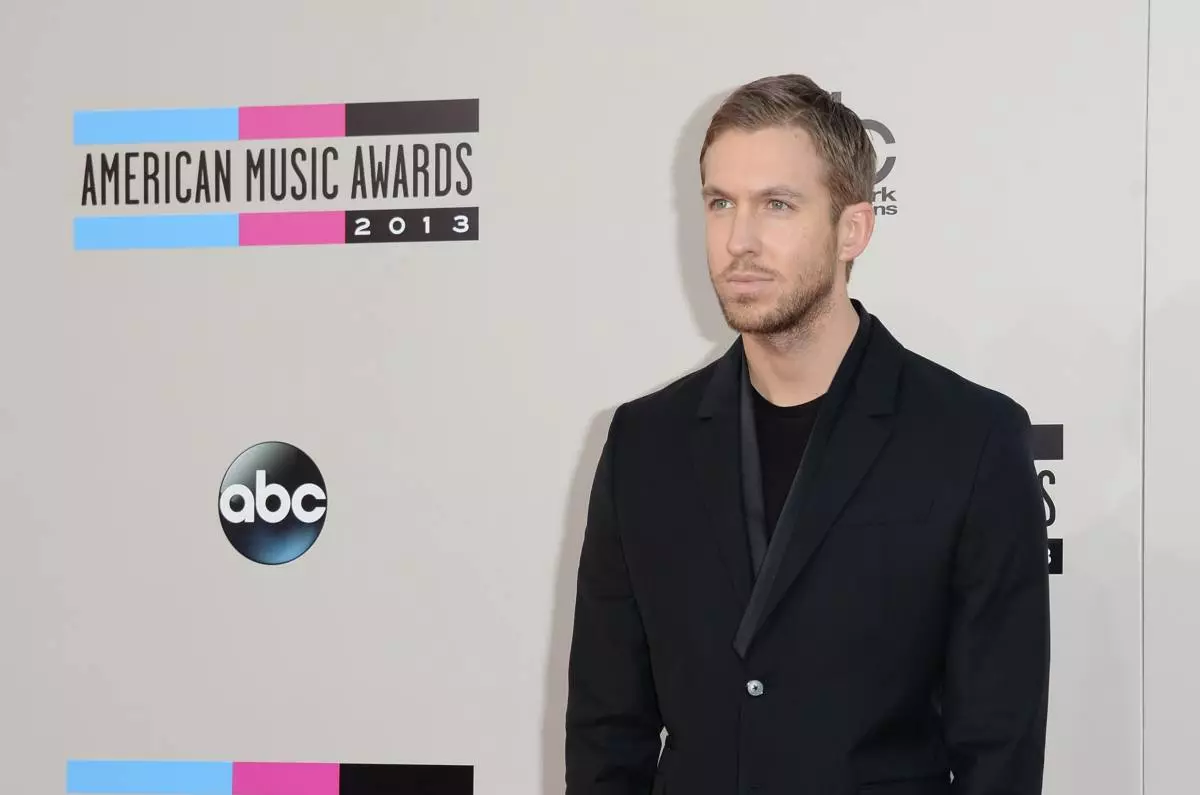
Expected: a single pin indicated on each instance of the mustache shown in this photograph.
(739, 267)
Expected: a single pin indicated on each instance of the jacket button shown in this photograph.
(754, 687)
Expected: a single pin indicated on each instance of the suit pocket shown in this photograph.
(923, 785)
(902, 508)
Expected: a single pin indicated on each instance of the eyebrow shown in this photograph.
(773, 190)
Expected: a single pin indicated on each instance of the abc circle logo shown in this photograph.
(885, 133)
(272, 503)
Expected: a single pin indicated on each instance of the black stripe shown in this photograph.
(412, 225)
(363, 779)
(1056, 555)
(419, 117)
(1047, 441)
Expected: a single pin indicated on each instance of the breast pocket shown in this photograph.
(894, 532)
(891, 506)
(888, 569)
(923, 785)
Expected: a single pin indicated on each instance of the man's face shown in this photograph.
(772, 246)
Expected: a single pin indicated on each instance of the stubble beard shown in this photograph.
(792, 314)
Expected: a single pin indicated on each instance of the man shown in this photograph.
(819, 563)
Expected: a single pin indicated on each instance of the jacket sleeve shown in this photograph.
(613, 725)
(998, 656)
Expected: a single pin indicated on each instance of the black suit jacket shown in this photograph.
(896, 636)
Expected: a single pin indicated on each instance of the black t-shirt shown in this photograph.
(783, 433)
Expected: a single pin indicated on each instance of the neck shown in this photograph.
(794, 367)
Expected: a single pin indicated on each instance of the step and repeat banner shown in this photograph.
(311, 347)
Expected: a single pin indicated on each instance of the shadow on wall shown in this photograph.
(689, 228)
(706, 314)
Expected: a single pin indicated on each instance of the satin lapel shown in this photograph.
(853, 427)
(716, 459)
(852, 449)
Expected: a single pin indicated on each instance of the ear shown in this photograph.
(854, 230)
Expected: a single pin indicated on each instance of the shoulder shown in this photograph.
(943, 384)
(961, 407)
(947, 408)
(664, 407)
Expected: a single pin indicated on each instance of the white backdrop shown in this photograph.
(1172, 545)
(454, 395)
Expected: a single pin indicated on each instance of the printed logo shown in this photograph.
(884, 140)
(1047, 441)
(277, 175)
(118, 777)
(272, 503)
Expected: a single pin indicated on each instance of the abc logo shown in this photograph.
(272, 503)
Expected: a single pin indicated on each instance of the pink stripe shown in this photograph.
(280, 778)
(291, 121)
(291, 229)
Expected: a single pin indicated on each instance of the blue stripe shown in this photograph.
(156, 231)
(150, 778)
(156, 126)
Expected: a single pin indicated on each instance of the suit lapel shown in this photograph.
(851, 450)
(853, 426)
(715, 439)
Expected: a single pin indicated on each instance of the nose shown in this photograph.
(743, 234)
